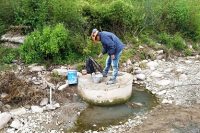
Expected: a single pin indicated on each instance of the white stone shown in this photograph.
(165, 101)
(124, 64)
(16, 124)
(62, 72)
(140, 76)
(179, 70)
(128, 62)
(168, 70)
(36, 109)
(162, 92)
(163, 82)
(36, 68)
(4, 119)
(156, 74)
(183, 77)
(62, 87)
(18, 111)
(159, 52)
(152, 64)
(141, 47)
(44, 102)
(3, 95)
(188, 61)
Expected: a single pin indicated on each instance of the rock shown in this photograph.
(36, 68)
(179, 70)
(188, 61)
(44, 102)
(165, 101)
(183, 77)
(52, 106)
(3, 95)
(137, 70)
(140, 76)
(128, 62)
(16, 124)
(163, 82)
(62, 72)
(36, 109)
(141, 47)
(62, 87)
(152, 65)
(162, 92)
(159, 57)
(124, 64)
(4, 119)
(156, 74)
(159, 52)
(18, 111)
(13, 38)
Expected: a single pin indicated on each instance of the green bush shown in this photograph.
(178, 43)
(49, 44)
(7, 55)
(33, 13)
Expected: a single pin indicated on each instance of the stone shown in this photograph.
(4, 119)
(188, 61)
(13, 38)
(124, 64)
(128, 62)
(18, 111)
(44, 102)
(183, 77)
(160, 52)
(156, 74)
(16, 124)
(62, 72)
(141, 47)
(140, 76)
(137, 70)
(36, 68)
(163, 82)
(165, 101)
(62, 87)
(152, 65)
(162, 92)
(36, 109)
(3, 95)
(159, 57)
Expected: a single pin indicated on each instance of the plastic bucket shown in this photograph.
(72, 77)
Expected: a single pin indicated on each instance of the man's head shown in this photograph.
(94, 35)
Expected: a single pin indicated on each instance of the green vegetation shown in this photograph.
(60, 29)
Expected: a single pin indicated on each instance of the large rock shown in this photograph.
(140, 76)
(62, 71)
(16, 124)
(36, 109)
(18, 111)
(4, 119)
(36, 68)
(13, 38)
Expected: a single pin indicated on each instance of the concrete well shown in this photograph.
(102, 94)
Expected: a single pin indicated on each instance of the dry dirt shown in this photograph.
(170, 119)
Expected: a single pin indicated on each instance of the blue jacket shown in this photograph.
(111, 43)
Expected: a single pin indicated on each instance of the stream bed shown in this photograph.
(97, 118)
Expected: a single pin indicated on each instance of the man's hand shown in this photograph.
(100, 55)
(113, 57)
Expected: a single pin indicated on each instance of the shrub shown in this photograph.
(33, 13)
(7, 55)
(49, 44)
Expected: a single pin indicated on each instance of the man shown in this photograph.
(113, 46)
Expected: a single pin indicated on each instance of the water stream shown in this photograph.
(97, 118)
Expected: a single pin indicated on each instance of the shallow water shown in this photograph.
(96, 117)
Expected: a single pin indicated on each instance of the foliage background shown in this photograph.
(170, 22)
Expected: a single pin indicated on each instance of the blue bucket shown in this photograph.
(72, 77)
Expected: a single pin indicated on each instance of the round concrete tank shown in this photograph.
(103, 94)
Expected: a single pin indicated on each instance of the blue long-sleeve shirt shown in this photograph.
(111, 43)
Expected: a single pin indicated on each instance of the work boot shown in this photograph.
(104, 74)
(111, 81)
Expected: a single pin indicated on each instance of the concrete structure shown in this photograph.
(102, 94)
